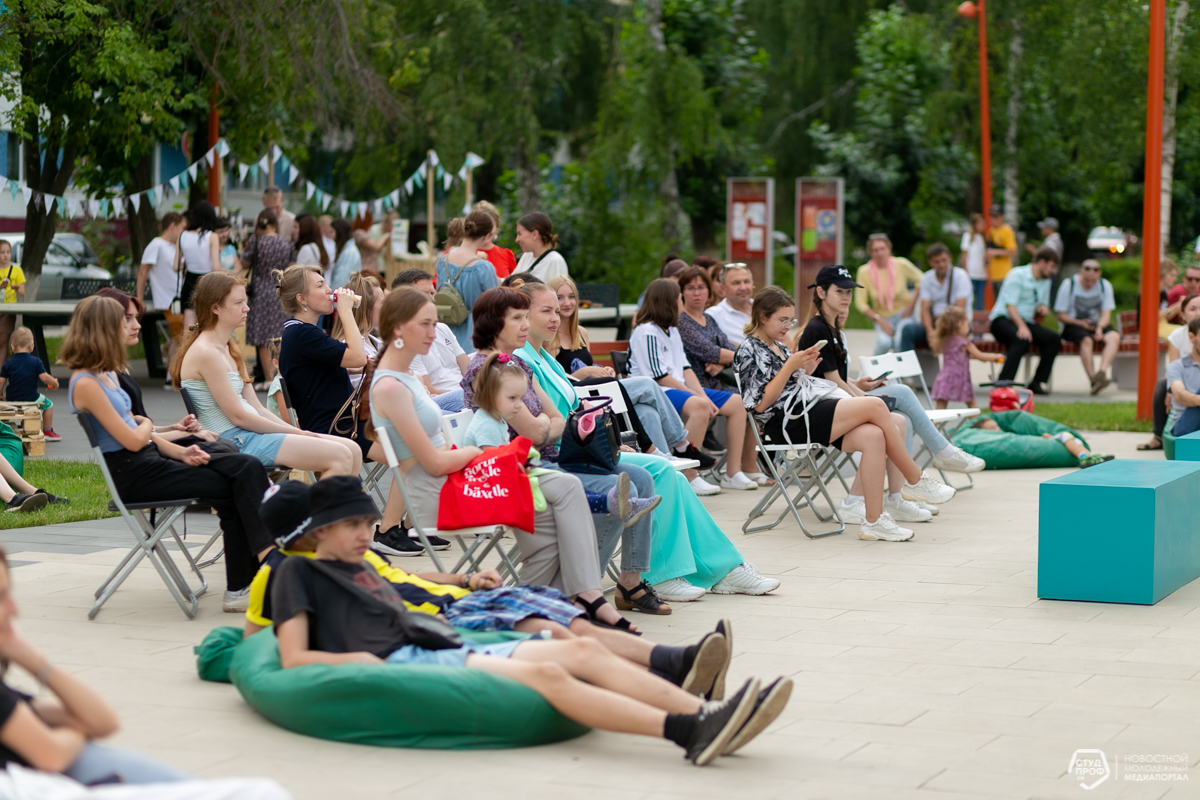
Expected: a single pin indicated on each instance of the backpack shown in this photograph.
(451, 308)
(1006, 398)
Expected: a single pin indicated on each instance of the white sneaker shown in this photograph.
(703, 487)
(959, 461)
(738, 481)
(928, 489)
(745, 579)
(853, 513)
(930, 507)
(676, 461)
(884, 529)
(677, 590)
(236, 602)
(905, 510)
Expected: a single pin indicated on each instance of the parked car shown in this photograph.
(1108, 240)
(70, 255)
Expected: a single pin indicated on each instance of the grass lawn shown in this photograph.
(1095, 416)
(79, 481)
(54, 344)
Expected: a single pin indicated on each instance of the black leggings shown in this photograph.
(232, 483)
(1048, 342)
(1160, 407)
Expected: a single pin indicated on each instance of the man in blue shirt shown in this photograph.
(1015, 319)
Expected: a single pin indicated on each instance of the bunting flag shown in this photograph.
(308, 190)
(210, 158)
(136, 199)
(242, 170)
(293, 173)
(27, 193)
(174, 183)
(192, 171)
(345, 207)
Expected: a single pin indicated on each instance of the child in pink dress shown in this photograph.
(953, 383)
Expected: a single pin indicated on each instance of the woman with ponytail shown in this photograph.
(463, 269)
(535, 235)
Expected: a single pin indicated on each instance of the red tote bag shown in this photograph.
(492, 490)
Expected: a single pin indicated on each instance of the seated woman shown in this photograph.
(561, 550)
(313, 598)
(147, 467)
(689, 553)
(791, 406)
(56, 733)
(652, 411)
(210, 366)
(656, 351)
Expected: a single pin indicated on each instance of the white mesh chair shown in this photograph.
(486, 538)
(148, 530)
(611, 391)
(946, 420)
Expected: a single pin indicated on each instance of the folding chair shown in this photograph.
(487, 537)
(149, 536)
(611, 391)
(946, 420)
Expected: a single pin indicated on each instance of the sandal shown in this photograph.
(1155, 443)
(592, 607)
(640, 598)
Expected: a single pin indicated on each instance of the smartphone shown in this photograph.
(820, 345)
(882, 377)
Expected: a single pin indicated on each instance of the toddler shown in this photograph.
(953, 382)
(275, 403)
(21, 374)
(1073, 445)
(500, 388)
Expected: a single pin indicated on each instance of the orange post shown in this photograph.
(1151, 212)
(214, 133)
(985, 131)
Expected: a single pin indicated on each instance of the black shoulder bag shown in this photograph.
(590, 448)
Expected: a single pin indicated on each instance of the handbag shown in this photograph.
(422, 630)
(591, 443)
(345, 421)
(491, 490)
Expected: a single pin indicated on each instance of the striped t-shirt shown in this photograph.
(655, 353)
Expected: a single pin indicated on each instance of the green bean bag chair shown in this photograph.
(1019, 443)
(390, 705)
(1168, 440)
(11, 448)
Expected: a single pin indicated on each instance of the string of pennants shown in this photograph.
(69, 208)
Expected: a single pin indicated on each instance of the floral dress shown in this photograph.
(265, 254)
(703, 345)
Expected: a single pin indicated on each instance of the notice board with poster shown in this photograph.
(749, 218)
(819, 232)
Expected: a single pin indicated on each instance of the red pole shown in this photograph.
(1151, 211)
(985, 131)
(214, 133)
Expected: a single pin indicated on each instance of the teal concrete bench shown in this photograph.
(1187, 448)
(1126, 531)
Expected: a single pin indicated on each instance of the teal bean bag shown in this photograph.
(391, 705)
(11, 448)
(1019, 443)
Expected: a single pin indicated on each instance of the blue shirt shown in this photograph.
(429, 416)
(22, 371)
(1187, 372)
(475, 279)
(1022, 290)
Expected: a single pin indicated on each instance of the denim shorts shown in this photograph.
(263, 446)
(678, 397)
(411, 654)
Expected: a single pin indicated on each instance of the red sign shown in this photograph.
(748, 228)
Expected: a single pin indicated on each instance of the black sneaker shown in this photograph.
(26, 502)
(394, 542)
(770, 703)
(54, 499)
(717, 723)
(717, 692)
(710, 660)
(706, 461)
(1037, 388)
(711, 445)
(436, 542)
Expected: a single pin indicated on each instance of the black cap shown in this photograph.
(285, 512)
(338, 498)
(837, 275)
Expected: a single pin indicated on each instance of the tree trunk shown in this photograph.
(1170, 97)
(668, 187)
(1016, 47)
(143, 225)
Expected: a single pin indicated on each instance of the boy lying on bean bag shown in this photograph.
(1020, 440)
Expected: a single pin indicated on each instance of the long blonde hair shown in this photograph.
(569, 331)
(368, 289)
(211, 291)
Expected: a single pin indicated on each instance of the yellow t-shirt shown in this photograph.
(998, 266)
(15, 278)
(870, 294)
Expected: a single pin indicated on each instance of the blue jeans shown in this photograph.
(884, 341)
(635, 541)
(980, 285)
(100, 764)
(450, 402)
(658, 416)
(918, 421)
(912, 333)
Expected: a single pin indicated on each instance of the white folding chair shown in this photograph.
(486, 537)
(149, 536)
(612, 391)
(454, 426)
(946, 420)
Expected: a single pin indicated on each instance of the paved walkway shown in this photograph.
(926, 669)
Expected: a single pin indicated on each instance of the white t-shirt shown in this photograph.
(731, 321)
(976, 247)
(1084, 304)
(655, 353)
(196, 252)
(935, 292)
(1179, 338)
(441, 362)
(164, 281)
(552, 264)
(309, 254)
(330, 248)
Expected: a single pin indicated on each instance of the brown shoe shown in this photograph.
(640, 598)
(1099, 381)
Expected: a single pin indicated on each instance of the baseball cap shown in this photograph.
(1048, 222)
(837, 275)
(996, 211)
(285, 512)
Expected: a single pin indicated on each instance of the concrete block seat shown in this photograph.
(1125, 531)
(1187, 448)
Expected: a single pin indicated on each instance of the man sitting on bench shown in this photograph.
(1015, 319)
(941, 287)
(1084, 306)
